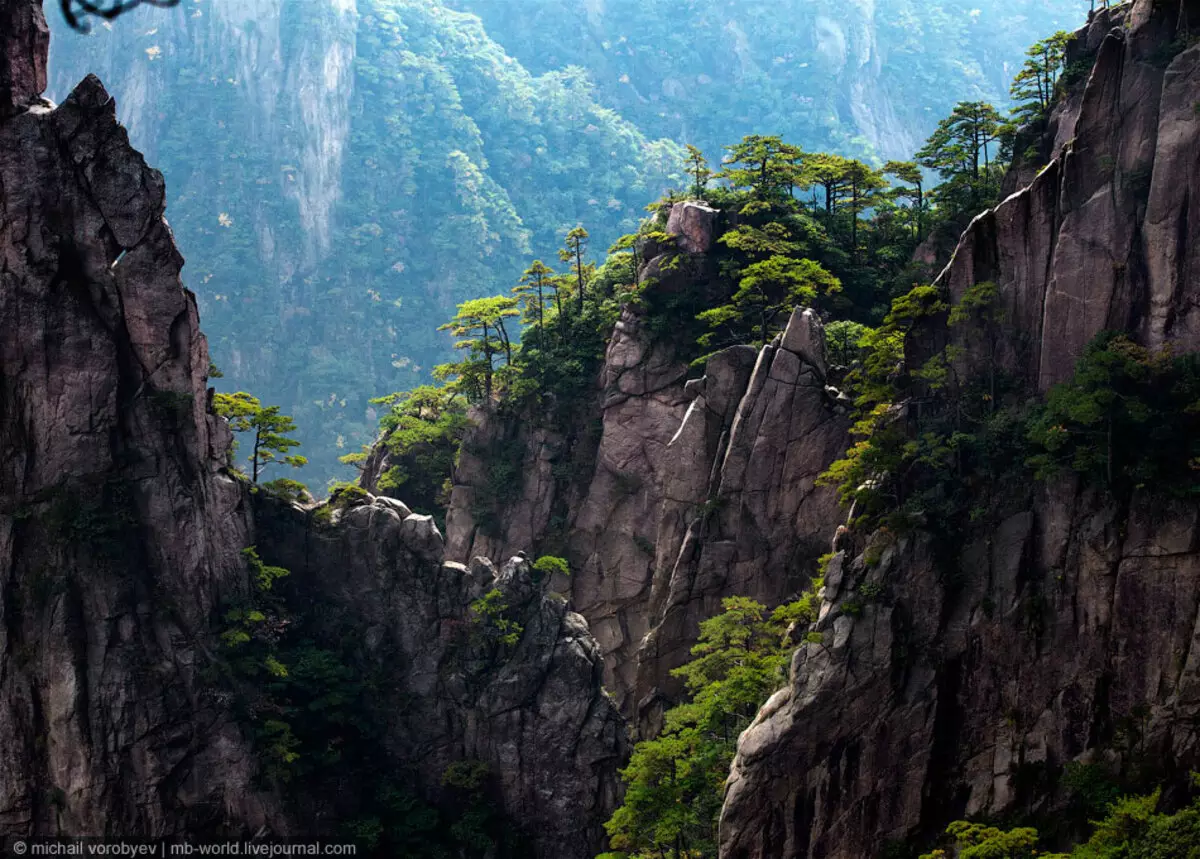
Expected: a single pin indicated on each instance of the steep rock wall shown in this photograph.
(607, 519)
(1069, 630)
(700, 490)
(534, 713)
(119, 536)
(744, 516)
(1105, 236)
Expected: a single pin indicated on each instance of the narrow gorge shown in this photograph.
(186, 653)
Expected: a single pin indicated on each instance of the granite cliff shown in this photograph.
(1068, 627)
(1070, 633)
(122, 549)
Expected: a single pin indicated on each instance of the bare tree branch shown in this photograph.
(75, 12)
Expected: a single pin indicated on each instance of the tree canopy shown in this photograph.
(271, 430)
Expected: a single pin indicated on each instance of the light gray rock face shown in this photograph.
(1102, 239)
(535, 713)
(694, 225)
(743, 515)
(1073, 615)
(922, 705)
(613, 535)
(119, 535)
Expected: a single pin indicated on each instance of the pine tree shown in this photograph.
(908, 171)
(1034, 87)
(577, 242)
(766, 166)
(697, 167)
(271, 442)
(531, 292)
(768, 289)
(959, 151)
(481, 323)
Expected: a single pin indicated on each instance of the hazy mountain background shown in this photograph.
(341, 172)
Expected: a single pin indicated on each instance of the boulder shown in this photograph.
(693, 225)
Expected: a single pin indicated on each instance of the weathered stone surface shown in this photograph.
(931, 705)
(922, 703)
(606, 516)
(613, 534)
(23, 50)
(521, 508)
(119, 535)
(535, 713)
(743, 515)
(805, 336)
(1101, 238)
(694, 225)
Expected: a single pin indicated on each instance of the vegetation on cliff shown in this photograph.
(674, 781)
(1132, 827)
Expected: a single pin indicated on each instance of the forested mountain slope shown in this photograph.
(855, 77)
(342, 173)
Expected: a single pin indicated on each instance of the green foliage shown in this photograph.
(696, 166)
(548, 565)
(262, 575)
(292, 490)
(481, 322)
(1036, 86)
(845, 343)
(674, 782)
(765, 166)
(963, 152)
(317, 719)
(422, 430)
(346, 495)
(768, 289)
(1128, 418)
(1133, 828)
(271, 441)
(491, 621)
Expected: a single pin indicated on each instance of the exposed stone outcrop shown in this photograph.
(23, 60)
(1104, 237)
(743, 469)
(535, 713)
(606, 515)
(694, 225)
(923, 704)
(700, 489)
(958, 681)
(121, 533)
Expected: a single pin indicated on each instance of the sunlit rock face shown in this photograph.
(929, 699)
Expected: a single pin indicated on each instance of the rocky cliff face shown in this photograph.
(700, 489)
(121, 538)
(534, 712)
(1069, 631)
(1104, 237)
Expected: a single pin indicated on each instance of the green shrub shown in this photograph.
(548, 565)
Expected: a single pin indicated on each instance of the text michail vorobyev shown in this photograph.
(182, 847)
